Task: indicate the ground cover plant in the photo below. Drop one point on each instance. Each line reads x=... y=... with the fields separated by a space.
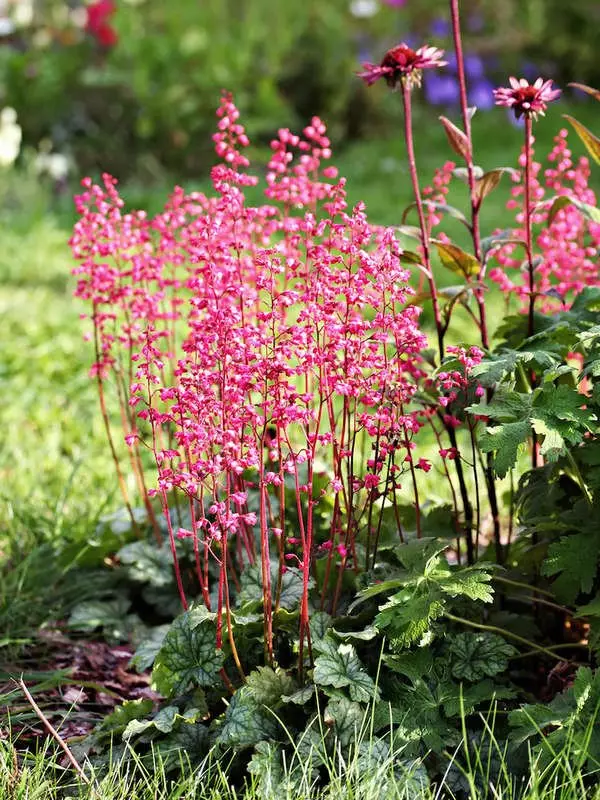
x=336 y=518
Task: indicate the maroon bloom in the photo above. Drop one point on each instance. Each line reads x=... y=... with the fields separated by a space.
x=525 y=98
x=98 y=22
x=402 y=63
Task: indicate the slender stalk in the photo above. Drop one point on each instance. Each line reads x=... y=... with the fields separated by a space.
x=528 y=236
x=414 y=177
x=476 y=237
x=106 y=421
x=475 y=202
x=57 y=737
x=507 y=634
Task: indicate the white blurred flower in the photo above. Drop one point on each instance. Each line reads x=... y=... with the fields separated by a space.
x=363 y=9
x=55 y=165
x=7 y=26
x=22 y=13
x=10 y=137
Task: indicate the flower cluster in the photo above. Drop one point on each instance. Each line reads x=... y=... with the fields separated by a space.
x=568 y=243
x=257 y=348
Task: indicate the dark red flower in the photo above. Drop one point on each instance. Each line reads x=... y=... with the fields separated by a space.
x=525 y=98
x=403 y=63
x=98 y=22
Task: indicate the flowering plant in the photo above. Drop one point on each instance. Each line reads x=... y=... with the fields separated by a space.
x=269 y=362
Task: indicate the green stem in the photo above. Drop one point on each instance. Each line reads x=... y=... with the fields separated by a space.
x=579 y=478
x=537 y=648
x=521 y=585
x=563 y=646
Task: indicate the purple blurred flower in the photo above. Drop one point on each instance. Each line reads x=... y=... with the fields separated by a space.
x=440 y=27
x=394 y=3
x=481 y=94
x=475 y=23
x=441 y=90
x=474 y=66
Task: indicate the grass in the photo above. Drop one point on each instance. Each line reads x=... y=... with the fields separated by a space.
x=56 y=479
x=360 y=776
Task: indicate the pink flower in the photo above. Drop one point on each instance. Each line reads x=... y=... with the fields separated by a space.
x=97 y=23
x=371 y=481
x=526 y=99
x=423 y=464
x=402 y=62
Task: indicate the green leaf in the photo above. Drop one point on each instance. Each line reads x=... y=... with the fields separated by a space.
x=489 y=181
x=291 y=588
x=147 y=563
x=319 y=624
x=591 y=142
x=245 y=723
x=414 y=664
x=300 y=697
x=346 y=718
x=478 y=655
x=472 y=582
x=574 y=559
x=109 y=615
x=117 y=722
x=148 y=649
x=188 y=656
x=163 y=721
x=267 y=686
x=505 y=441
x=457 y=700
x=339 y=666
x=266 y=765
x=407 y=618
x=366 y=635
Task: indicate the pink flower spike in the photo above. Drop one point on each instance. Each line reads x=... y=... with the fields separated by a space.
x=525 y=98
x=403 y=63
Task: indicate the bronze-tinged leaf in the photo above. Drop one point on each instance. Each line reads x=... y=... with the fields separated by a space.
x=457 y=260
x=591 y=142
x=559 y=202
x=488 y=182
x=587 y=89
x=409 y=230
x=457 y=139
x=408 y=257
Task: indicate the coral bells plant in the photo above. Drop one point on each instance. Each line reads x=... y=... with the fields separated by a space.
x=254 y=349
x=338 y=501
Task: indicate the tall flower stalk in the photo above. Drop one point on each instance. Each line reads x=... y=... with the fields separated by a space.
x=528 y=101
x=475 y=201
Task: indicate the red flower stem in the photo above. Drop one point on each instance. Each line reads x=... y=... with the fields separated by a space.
x=475 y=203
x=106 y=421
x=530 y=266
x=265 y=563
x=412 y=166
x=476 y=236
x=234 y=651
x=527 y=213
x=180 y=589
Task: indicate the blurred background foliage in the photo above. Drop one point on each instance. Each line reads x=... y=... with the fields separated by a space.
x=130 y=86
